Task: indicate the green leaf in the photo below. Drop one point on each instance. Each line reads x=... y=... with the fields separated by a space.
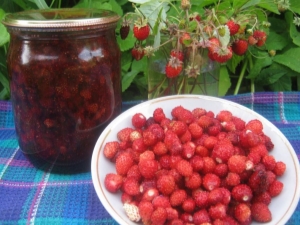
x=262 y=59
x=295 y=6
x=116 y=7
x=250 y=3
x=224 y=81
x=294 y=33
x=4 y=81
x=271 y=74
x=234 y=62
x=41 y=4
x=269 y=5
x=276 y=41
x=290 y=58
x=126 y=61
x=126 y=44
x=283 y=84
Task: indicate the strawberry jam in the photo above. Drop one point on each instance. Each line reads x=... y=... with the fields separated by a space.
x=64 y=68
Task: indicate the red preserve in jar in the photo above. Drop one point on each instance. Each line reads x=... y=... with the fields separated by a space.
x=64 y=68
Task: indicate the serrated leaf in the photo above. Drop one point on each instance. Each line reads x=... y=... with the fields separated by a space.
x=276 y=41
x=271 y=74
x=224 y=81
x=126 y=60
x=263 y=60
x=290 y=58
x=283 y=84
x=116 y=7
x=295 y=6
x=126 y=44
x=234 y=62
x=250 y=4
x=294 y=33
x=269 y=5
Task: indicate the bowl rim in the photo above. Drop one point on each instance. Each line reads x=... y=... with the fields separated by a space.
x=105 y=133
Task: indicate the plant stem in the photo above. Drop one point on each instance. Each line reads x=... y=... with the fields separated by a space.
x=252 y=85
x=237 y=87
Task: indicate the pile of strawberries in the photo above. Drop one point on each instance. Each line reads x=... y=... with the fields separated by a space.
x=194 y=168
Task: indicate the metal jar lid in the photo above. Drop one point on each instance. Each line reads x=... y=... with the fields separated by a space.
x=49 y=20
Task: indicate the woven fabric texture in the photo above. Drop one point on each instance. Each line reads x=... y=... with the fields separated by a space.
x=32 y=196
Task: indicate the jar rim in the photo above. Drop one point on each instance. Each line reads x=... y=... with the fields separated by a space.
x=64 y=19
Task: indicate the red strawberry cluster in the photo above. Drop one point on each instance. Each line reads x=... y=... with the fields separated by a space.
x=194 y=168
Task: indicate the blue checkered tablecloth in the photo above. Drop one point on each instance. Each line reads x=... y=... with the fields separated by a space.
x=32 y=196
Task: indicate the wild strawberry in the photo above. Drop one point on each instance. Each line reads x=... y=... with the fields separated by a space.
x=173 y=67
x=249 y=139
x=260 y=36
x=258 y=181
x=113 y=182
x=260 y=212
x=217 y=211
x=210 y=142
x=138 y=120
x=157 y=131
x=214 y=130
x=177 y=176
x=252 y=40
x=161 y=201
x=149 y=138
x=145 y=210
x=201 y=217
x=146 y=155
x=185 y=39
x=201 y=198
x=137 y=53
x=132 y=212
x=280 y=168
x=172 y=214
x=195 y=130
x=160 y=148
x=138 y=145
x=237 y=163
x=197 y=163
x=188 y=205
x=177 y=111
x=184 y=168
x=222 y=151
x=198 y=112
x=178 y=127
x=186 y=137
x=242 y=193
x=187 y=218
x=240 y=46
x=213 y=45
x=164 y=161
x=124 y=134
x=134 y=172
x=141 y=32
x=275 y=188
x=178 y=197
x=124 y=30
x=110 y=149
x=264 y=197
x=148 y=168
x=221 y=170
x=269 y=162
x=150 y=194
x=159 y=216
x=201 y=151
x=186 y=116
x=215 y=196
x=209 y=165
x=224 y=115
x=136 y=134
x=242 y=212
x=131 y=186
x=222 y=54
x=178 y=54
x=188 y=150
x=232 y=179
x=255 y=126
x=194 y=181
x=173 y=143
x=166 y=184
x=239 y=123
x=259 y=149
x=147 y=184
x=159 y=115
x=211 y=181
x=124 y=162
x=233 y=27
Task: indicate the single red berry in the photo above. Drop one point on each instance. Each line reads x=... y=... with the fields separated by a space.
x=113 y=182
x=242 y=212
x=173 y=67
x=233 y=27
x=188 y=205
x=185 y=38
x=260 y=212
x=194 y=181
x=201 y=217
x=138 y=120
x=240 y=46
x=275 y=188
x=159 y=216
x=124 y=162
x=137 y=53
x=184 y=168
x=217 y=211
x=178 y=197
x=131 y=186
x=232 y=179
x=145 y=210
x=161 y=201
x=166 y=184
x=280 y=168
x=178 y=54
x=141 y=32
x=159 y=115
x=237 y=163
x=211 y=181
x=222 y=151
x=148 y=168
x=242 y=193
x=111 y=149
x=124 y=134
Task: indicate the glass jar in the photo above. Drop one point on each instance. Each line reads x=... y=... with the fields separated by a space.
x=64 y=68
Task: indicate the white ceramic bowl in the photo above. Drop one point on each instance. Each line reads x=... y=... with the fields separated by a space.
x=282 y=206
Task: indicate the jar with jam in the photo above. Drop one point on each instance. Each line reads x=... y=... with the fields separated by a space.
x=64 y=68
